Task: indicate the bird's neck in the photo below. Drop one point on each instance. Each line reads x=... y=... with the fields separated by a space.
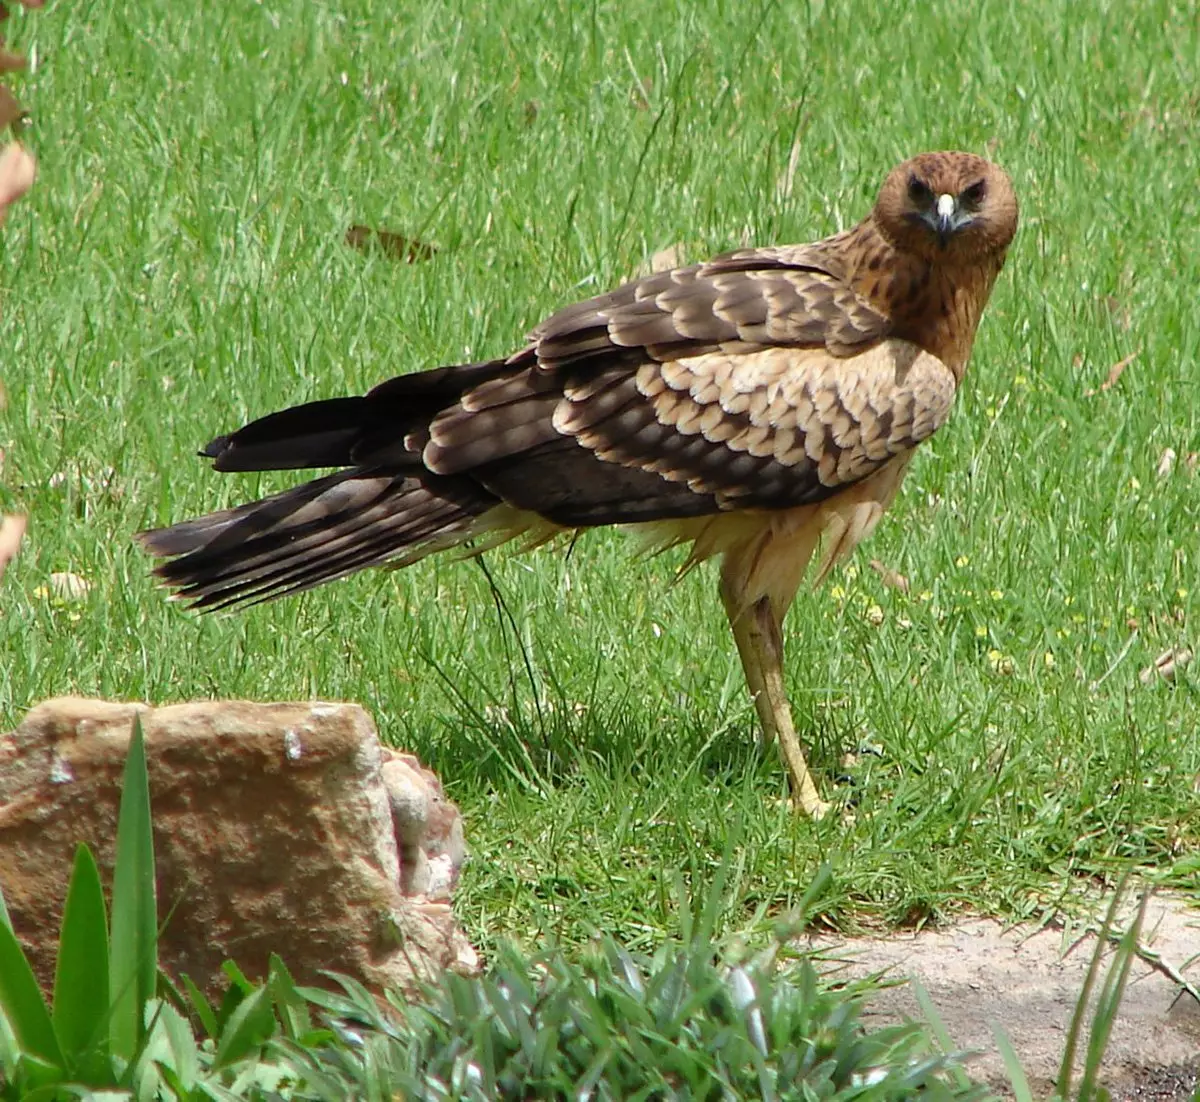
x=936 y=305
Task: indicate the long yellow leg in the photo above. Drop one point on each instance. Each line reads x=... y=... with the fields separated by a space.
x=760 y=645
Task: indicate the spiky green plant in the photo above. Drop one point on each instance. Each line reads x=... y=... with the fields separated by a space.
x=114 y=1023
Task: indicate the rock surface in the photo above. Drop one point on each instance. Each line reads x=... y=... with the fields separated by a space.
x=278 y=828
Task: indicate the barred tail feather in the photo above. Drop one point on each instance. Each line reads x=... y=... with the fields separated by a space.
x=314 y=533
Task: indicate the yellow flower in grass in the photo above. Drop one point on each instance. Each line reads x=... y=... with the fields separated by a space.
x=1000 y=663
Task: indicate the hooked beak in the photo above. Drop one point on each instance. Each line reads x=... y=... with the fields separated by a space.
x=947 y=218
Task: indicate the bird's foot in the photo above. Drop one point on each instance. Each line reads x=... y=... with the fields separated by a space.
x=810 y=804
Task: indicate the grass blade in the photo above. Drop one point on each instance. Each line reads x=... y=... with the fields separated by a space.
x=133 y=959
x=1012 y=1064
x=1067 y=1070
x=81 y=993
x=22 y=1004
x=1109 y=1001
x=940 y=1032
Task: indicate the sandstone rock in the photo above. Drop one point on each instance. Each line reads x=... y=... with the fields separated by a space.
x=278 y=828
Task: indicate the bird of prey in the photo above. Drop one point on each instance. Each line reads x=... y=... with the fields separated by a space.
x=756 y=407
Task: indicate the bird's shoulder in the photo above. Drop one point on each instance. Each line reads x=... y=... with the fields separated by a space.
x=787 y=295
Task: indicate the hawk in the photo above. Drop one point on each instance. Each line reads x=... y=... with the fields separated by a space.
x=761 y=408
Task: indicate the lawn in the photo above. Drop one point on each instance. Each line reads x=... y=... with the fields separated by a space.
x=181 y=268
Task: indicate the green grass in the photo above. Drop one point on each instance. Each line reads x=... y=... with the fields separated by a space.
x=180 y=268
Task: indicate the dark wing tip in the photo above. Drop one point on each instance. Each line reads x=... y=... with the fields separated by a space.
x=145 y=539
x=214 y=447
x=215 y=450
x=165 y=543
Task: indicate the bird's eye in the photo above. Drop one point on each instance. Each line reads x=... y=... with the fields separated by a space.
x=974 y=195
x=918 y=190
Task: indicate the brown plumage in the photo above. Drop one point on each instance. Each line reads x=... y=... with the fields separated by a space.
x=754 y=406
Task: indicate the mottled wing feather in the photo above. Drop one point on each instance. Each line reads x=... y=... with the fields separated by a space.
x=774 y=428
x=755 y=298
x=758 y=380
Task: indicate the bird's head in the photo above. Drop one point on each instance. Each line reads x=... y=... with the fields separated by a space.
x=948 y=208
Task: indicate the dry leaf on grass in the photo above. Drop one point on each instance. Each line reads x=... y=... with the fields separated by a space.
x=1117 y=309
x=639 y=94
x=666 y=259
x=101 y=481
x=65 y=586
x=11 y=530
x=785 y=183
x=891 y=578
x=10 y=108
x=672 y=256
x=1114 y=373
x=394 y=245
x=1167 y=665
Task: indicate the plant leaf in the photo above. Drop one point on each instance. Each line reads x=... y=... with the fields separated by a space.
x=133 y=957
x=185 y=1054
x=250 y=1026
x=231 y=999
x=290 y=1008
x=22 y=1004
x=81 y=995
x=201 y=1006
x=55 y=1091
x=169 y=1046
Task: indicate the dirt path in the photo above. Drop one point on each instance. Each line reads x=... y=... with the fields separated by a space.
x=979 y=974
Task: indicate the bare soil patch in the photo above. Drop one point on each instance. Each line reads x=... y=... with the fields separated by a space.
x=981 y=974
